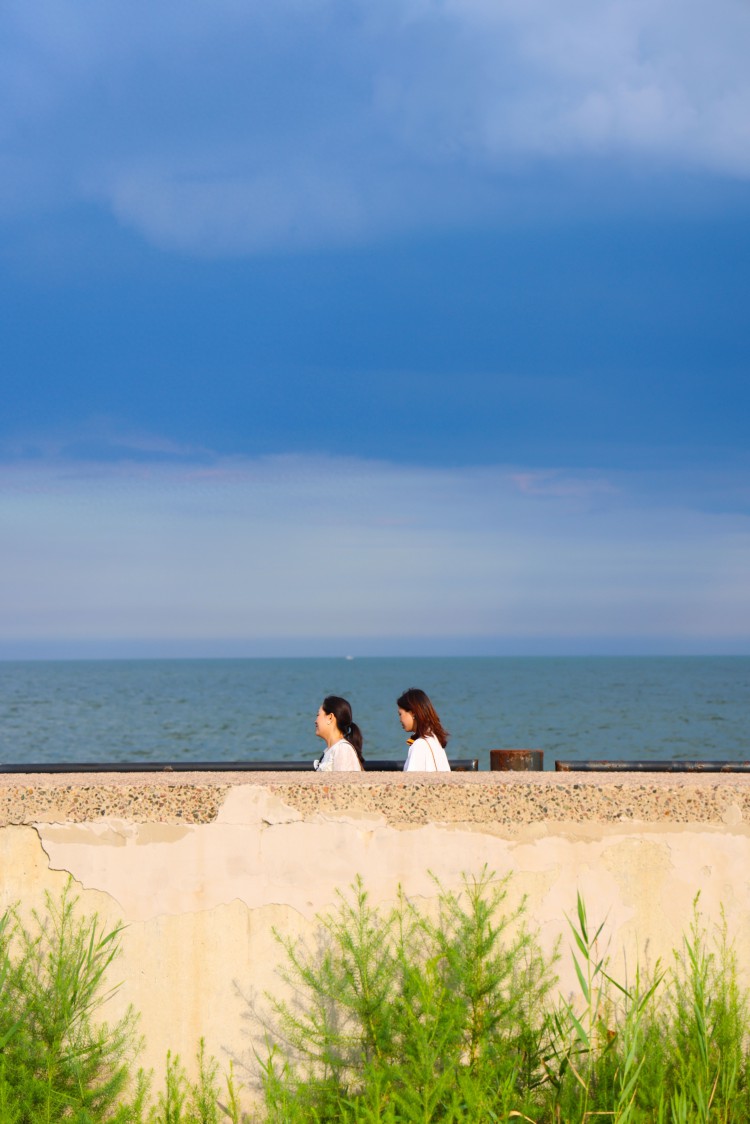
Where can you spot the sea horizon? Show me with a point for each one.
(17, 652)
(263, 707)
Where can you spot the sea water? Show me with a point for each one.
(264, 709)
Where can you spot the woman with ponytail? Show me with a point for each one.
(427, 739)
(343, 737)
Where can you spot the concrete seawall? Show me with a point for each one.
(202, 866)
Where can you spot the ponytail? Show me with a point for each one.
(354, 737)
(342, 712)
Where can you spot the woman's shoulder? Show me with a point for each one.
(419, 757)
(434, 753)
(345, 756)
(440, 754)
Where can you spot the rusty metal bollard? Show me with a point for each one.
(516, 760)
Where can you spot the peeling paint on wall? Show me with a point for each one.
(200, 900)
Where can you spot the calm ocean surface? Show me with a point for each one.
(256, 709)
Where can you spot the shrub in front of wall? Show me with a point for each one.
(404, 1017)
(400, 1018)
(398, 1015)
(58, 1060)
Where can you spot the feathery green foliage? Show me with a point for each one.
(199, 1102)
(403, 1015)
(407, 1018)
(399, 1017)
(58, 1059)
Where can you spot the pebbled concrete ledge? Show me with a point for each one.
(490, 800)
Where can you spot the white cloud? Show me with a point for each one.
(302, 547)
(216, 214)
(242, 127)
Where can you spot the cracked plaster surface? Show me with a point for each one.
(201, 893)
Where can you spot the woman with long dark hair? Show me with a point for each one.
(428, 738)
(343, 737)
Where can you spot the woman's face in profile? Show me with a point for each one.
(406, 718)
(322, 721)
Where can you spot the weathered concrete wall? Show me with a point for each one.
(202, 867)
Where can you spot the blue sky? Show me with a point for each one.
(404, 326)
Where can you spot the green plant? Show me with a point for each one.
(706, 1022)
(183, 1102)
(672, 1050)
(232, 1108)
(406, 1018)
(58, 1058)
(600, 1042)
(398, 1016)
(171, 1102)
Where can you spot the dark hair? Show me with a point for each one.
(342, 712)
(426, 720)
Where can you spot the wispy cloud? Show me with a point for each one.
(318, 547)
(237, 128)
(547, 483)
(93, 439)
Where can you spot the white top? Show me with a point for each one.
(426, 755)
(339, 758)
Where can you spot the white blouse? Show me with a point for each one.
(341, 757)
(426, 755)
